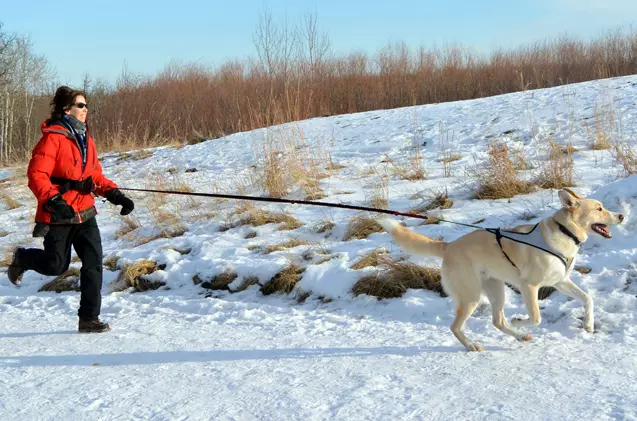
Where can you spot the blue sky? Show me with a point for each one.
(100, 37)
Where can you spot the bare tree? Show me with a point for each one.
(275, 44)
(314, 45)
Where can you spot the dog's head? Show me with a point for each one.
(589, 214)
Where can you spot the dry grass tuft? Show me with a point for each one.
(440, 201)
(295, 242)
(68, 281)
(9, 201)
(284, 281)
(626, 156)
(170, 232)
(111, 263)
(256, 217)
(247, 282)
(135, 156)
(557, 172)
(217, 282)
(397, 278)
(380, 194)
(583, 269)
(499, 179)
(132, 276)
(375, 257)
(603, 126)
(284, 158)
(128, 225)
(361, 227)
(4, 233)
(323, 226)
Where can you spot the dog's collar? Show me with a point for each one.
(568, 233)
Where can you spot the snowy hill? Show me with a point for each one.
(184, 351)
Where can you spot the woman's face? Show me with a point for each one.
(79, 109)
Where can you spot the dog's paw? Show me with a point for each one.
(474, 347)
(588, 326)
(525, 337)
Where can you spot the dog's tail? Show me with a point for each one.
(411, 241)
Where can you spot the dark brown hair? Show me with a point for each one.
(64, 98)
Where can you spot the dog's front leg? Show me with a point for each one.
(569, 288)
(529, 292)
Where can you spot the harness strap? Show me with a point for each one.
(498, 237)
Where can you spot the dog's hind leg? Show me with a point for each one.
(463, 312)
(529, 292)
(495, 292)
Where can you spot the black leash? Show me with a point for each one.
(495, 231)
(295, 202)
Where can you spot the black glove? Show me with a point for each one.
(116, 197)
(58, 208)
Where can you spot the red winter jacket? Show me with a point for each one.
(57, 154)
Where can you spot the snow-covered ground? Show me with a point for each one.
(186, 353)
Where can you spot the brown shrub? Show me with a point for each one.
(132, 276)
(284, 281)
(68, 281)
(499, 179)
(361, 227)
(397, 278)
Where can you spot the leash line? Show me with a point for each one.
(295, 202)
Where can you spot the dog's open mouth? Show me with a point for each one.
(602, 230)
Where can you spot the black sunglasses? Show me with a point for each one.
(80, 105)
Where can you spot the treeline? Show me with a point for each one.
(294, 75)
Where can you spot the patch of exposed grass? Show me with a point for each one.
(284, 281)
(440, 201)
(499, 179)
(361, 227)
(170, 232)
(68, 281)
(323, 226)
(257, 217)
(111, 263)
(380, 194)
(217, 282)
(397, 278)
(626, 156)
(132, 276)
(9, 201)
(583, 269)
(247, 282)
(295, 242)
(375, 257)
(557, 172)
(135, 156)
(128, 225)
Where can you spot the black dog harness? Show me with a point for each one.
(534, 238)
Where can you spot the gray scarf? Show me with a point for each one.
(77, 125)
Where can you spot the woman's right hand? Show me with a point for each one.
(58, 208)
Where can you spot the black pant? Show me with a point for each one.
(56, 257)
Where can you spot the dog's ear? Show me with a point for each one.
(577, 196)
(569, 199)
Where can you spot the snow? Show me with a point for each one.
(186, 353)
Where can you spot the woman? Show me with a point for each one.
(63, 174)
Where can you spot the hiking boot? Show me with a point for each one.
(15, 270)
(92, 326)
